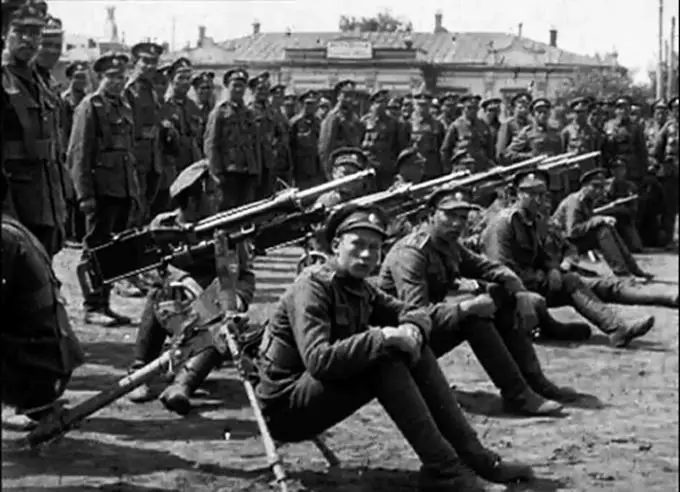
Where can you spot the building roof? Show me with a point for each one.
(442, 48)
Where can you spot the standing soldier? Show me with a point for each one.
(667, 153)
(204, 88)
(180, 126)
(520, 103)
(101, 155)
(304, 138)
(407, 107)
(380, 140)
(492, 112)
(288, 109)
(470, 137)
(161, 81)
(341, 127)
(436, 108)
(30, 139)
(579, 137)
(142, 98)
(449, 110)
(394, 110)
(427, 135)
(276, 97)
(324, 108)
(653, 129)
(229, 144)
(636, 115)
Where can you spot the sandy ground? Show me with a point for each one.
(623, 439)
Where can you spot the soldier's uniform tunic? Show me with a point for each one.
(270, 135)
(427, 135)
(230, 147)
(380, 142)
(581, 139)
(494, 129)
(625, 139)
(204, 110)
(506, 133)
(666, 151)
(624, 214)
(304, 139)
(472, 137)
(340, 128)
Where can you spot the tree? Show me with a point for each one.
(382, 22)
(601, 84)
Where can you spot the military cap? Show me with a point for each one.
(53, 28)
(436, 103)
(188, 177)
(409, 155)
(349, 156)
(540, 102)
(470, 98)
(235, 74)
(421, 95)
(531, 180)
(450, 199)
(75, 67)
(619, 162)
(394, 103)
(277, 90)
(202, 78)
(673, 103)
(525, 96)
(494, 102)
(164, 70)
(290, 97)
(407, 98)
(180, 65)
(111, 64)
(379, 93)
(262, 78)
(660, 104)
(579, 102)
(308, 96)
(623, 101)
(345, 85)
(449, 96)
(324, 101)
(146, 49)
(24, 13)
(352, 217)
(594, 175)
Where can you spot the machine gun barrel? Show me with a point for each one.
(558, 157)
(492, 173)
(608, 207)
(570, 162)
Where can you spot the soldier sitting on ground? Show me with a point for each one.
(197, 195)
(334, 343)
(514, 240)
(587, 231)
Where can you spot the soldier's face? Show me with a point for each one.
(622, 111)
(413, 172)
(48, 54)
(146, 66)
(79, 81)
(521, 108)
(358, 252)
(323, 111)
(113, 83)
(204, 92)
(449, 107)
(237, 89)
(346, 97)
(161, 87)
(660, 114)
(541, 115)
(449, 224)
(22, 42)
(471, 109)
(531, 200)
(493, 113)
(406, 109)
(289, 106)
(181, 82)
(310, 107)
(594, 189)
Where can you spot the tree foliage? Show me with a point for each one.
(601, 84)
(382, 22)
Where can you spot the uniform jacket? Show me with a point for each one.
(419, 271)
(340, 128)
(506, 133)
(204, 110)
(271, 134)
(532, 141)
(380, 141)
(651, 130)
(71, 100)
(574, 216)
(427, 135)
(100, 149)
(180, 130)
(31, 150)
(494, 128)
(323, 326)
(582, 139)
(666, 149)
(146, 113)
(474, 138)
(445, 121)
(625, 139)
(304, 140)
(230, 140)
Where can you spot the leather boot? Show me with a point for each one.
(611, 251)
(551, 329)
(188, 379)
(144, 392)
(621, 332)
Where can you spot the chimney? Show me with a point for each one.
(519, 29)
(256, 27)
(553, 37)
(438, 16)
(201, 36)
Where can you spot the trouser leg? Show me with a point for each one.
(618, 292)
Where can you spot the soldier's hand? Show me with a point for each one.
(405, 338)
(610, 221)
(526, 304)
(88, 205)
(554, 280)
(481, 306)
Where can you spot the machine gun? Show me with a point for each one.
(566, 162)
(138, 251)
(613, 205)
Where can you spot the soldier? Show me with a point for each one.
(380, 139)
(289, 106)
(161, 81)
(393, 107)
(341, 127)
(276, 97)
(229, 144)
(597, 119)
(492, 112)
(143, 99)
(324, 108)
(619, 187)
(427, 135)
(558, 118)
(625, 139)
(520, 103)
(575, 220)
(407, 107)
(471, 137)
(196, 194)
(636, 115)
(581, 138)
(101, 156)
(652, 130)
(204, 89)
(449, 110)
(667, 154)
(180, 127)
(513, 240)
(436, 108)
(321, 363)
(304, 138)
(31, 138)
(394, 110)
(345, 161)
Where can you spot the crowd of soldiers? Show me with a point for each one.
(149, 147)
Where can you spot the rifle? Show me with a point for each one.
(613, 205)
(137, 251)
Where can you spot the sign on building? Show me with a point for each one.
(349, 50)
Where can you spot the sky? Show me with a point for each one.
(584, 26)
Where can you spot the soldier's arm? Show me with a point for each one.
(578, 222)
(327, 136)
(245, 284)
(502, 141)
(477, 266)
(641, 145)
(450, 139)
(81, 150)
(659, 146)
(390, 311)
(408, 270)
(520, 148)
(325, 357)
(211, 143)
(564, 138)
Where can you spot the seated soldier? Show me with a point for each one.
(514, 239)
(334, 343)
(619, 187)
(197, 196)
(423, 268)
(575, 219)
(502, 198)
(344, 162)
(39, 349)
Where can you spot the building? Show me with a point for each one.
(484, 63)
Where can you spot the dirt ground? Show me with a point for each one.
(624, 438)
